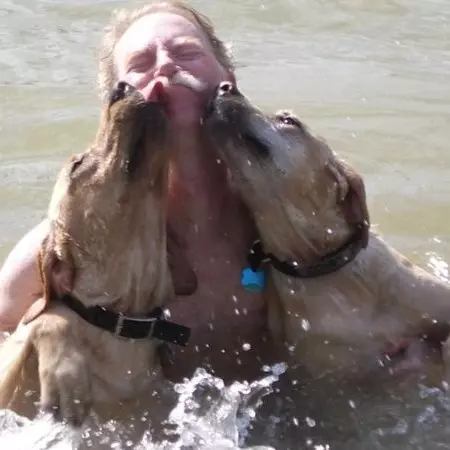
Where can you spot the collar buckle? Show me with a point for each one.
(119, 324)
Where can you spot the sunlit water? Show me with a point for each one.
(370, 76)
(207, 415)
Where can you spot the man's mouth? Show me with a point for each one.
(157, 94)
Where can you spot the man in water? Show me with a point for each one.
(170, 52)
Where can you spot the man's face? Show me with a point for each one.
(161, 45)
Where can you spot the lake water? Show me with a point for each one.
(370, 76)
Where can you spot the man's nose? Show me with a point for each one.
(165, 65)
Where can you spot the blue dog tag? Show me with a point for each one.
(253, 281)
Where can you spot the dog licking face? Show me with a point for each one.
(344, 298)
(106, 246)
(109, 199)
(286, 176)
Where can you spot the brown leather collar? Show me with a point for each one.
(329, 263)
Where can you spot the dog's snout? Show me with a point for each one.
(121, 90)
(227, 88)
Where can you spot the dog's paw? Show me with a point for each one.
(66, 388)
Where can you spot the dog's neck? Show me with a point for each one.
(304, 236)
(121, 263)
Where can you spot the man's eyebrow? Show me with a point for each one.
(185, 40)
(138, 54)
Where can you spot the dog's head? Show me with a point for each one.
(126, 163)
(286, 176)
(109, 194)
(129, 151)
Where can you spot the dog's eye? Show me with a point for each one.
(288, 119)
(77, 160)
(120, 91)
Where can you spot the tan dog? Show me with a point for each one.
(104, 262)
(346, 301)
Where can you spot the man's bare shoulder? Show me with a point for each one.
(20, 283)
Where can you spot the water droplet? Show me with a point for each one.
(310, 422)
(305, 324)
(279, 368)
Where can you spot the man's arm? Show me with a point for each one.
(20, 283)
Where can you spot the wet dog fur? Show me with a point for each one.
(307, 203)
(107, 246)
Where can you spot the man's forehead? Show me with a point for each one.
(160, 27)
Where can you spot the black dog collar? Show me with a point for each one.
(328, 264)
(153, 326)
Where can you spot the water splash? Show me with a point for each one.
(42, 433)
(208, 415)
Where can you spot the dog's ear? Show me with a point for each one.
(57, 278)
(351, 195)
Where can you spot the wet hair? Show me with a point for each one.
(122, 19)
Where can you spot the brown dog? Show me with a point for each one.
(104, 268)
(346, 300)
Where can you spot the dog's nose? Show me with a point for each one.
(227, 88)
(121, 90)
